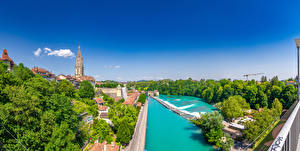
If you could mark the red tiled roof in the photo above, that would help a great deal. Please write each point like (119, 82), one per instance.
(131, 98)
(109, 147)
(139, 104)
(102, 107)
(112, 147)
(99, 100)
(117, 98)
(89, 78)
(97, 147)
(5, 57)
(41, 70)
(250, 116)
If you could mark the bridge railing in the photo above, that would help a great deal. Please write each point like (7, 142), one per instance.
(288, 137)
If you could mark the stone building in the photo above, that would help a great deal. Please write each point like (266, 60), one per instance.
(44, 73)
(79, 69)
(112, 92)
(6, 59)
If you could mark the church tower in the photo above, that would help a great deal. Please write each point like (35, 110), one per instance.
(79, 64)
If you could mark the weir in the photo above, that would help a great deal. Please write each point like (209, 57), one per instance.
(184, 114)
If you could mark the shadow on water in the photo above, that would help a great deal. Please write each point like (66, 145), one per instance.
(196, 133)
(193, 128)
(198, 136)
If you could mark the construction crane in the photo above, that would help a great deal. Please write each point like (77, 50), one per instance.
(253, 74)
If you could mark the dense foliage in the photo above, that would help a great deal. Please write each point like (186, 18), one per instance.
(257, 94)
(234, 107)
(123, 117)
(109, 84)
(35, 114)
(100, 130)
(142, 98)
(262, 120)
(85, 105)
(86, 90)
(211, 125)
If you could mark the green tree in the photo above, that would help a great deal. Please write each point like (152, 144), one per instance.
(275, 93)
(211, 125)
(86, 90)
(277, 107)
(34, 112)
(274, 80)
(263, 79)
(100, 130)
(124, 132)
(62, 139)
(22, 73)
(218, 95)
(262, 99)
(234, 107)
(226, 146)
(227, 91)
(288, 96)
(250, 95)
(93, 110)
(65, 87)
(261, 121)
(208, 95)
(142, 98)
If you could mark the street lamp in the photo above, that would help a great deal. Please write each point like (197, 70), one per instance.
(297, 41)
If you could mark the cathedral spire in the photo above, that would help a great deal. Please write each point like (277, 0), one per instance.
(79, 69)
(79, 52)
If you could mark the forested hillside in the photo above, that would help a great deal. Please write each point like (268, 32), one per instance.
(36, 114)
(257, 94)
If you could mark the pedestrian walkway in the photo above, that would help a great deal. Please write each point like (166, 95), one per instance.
(138, 140)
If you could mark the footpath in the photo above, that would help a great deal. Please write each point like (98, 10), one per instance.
(138, 140)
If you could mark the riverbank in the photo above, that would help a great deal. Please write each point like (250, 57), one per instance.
(184, 114)
(138, 140)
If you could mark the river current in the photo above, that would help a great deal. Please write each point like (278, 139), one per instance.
(167, 131)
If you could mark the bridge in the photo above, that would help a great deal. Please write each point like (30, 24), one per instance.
(288, 137)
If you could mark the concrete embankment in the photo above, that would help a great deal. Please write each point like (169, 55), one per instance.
(138, 140)
(184, 114)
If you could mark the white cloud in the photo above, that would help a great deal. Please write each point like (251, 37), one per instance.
(37, 52)
(47, 50)
(112, 66)
(59, 52)
(62, 53)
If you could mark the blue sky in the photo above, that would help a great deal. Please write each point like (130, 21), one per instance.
(155, 39)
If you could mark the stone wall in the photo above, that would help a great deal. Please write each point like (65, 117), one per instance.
(112, 92)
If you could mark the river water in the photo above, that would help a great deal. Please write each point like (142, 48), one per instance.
(167, 131)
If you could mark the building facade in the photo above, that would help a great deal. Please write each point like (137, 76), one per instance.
(79, 69)
(6, 59)
(44, 73)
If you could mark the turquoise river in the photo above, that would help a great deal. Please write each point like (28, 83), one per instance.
(167, 131)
